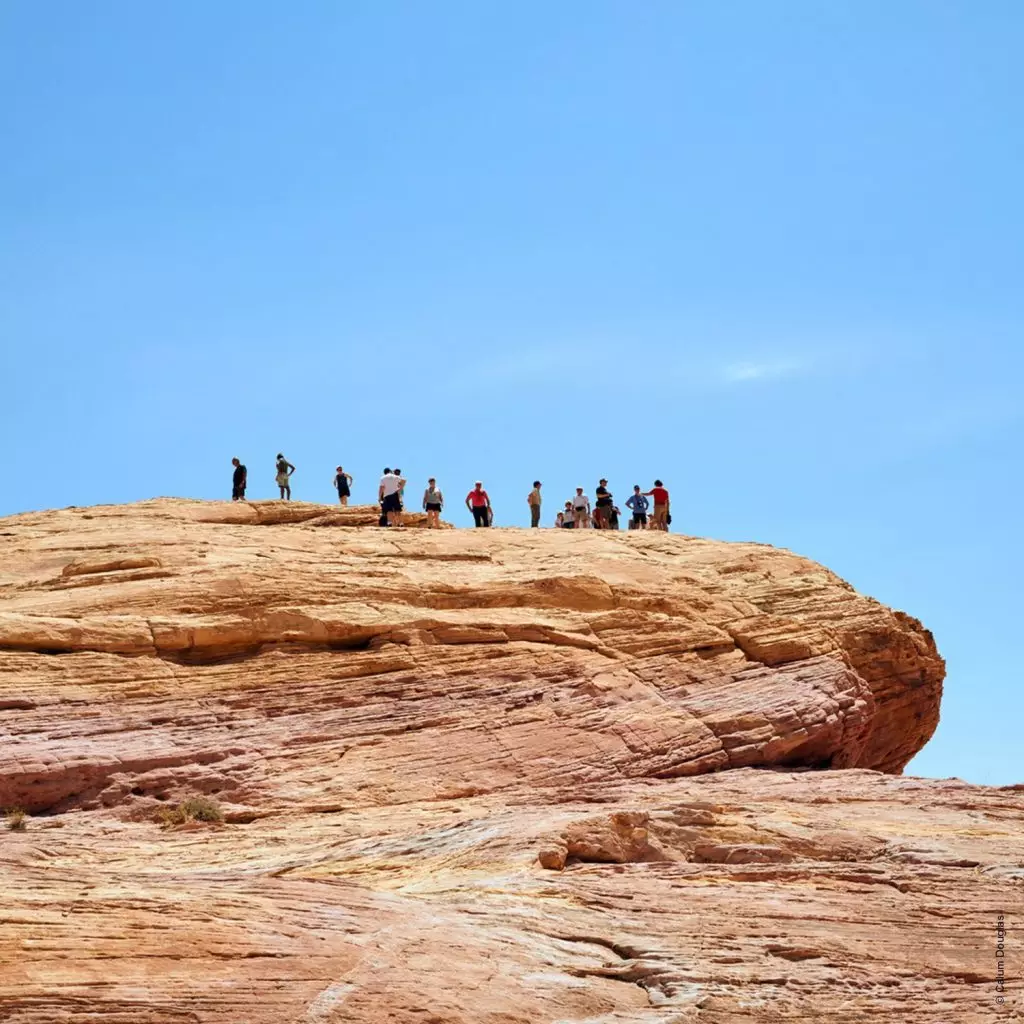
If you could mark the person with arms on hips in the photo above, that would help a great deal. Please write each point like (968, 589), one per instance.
(387, 493)
(433, 502)
(533, 500)
(284, 476)
(659, 520)
(580, 509)
(603, 506)
(238, 480)
(479, 504)
(343, 483)
(638, 505)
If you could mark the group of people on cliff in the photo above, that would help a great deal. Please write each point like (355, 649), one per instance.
(604, 514)
(578, 512)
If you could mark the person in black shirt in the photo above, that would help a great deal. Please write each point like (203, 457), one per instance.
(343, 482)
(603, 506)
(238, 481)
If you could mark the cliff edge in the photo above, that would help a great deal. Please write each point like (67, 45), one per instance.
(468, 776)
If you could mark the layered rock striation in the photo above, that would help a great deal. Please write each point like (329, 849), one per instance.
(471, 776)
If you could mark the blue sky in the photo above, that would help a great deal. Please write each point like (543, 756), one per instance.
(770, 252)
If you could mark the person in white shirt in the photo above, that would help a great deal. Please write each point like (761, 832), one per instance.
(580, 509)
(388, 491)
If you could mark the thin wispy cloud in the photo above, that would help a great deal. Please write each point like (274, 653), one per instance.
(771, 369)
(633, 364)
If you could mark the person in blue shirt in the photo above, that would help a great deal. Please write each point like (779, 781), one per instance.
(639, 504)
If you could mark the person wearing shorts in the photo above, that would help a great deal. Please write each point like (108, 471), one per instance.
(638, 505)
(659, 520)
(567, 520)
(284, 477)
(603, 506)
(387, 493)
(238, 480)
(343, 482)
(479, 504)
(580, 509)
(433, 502)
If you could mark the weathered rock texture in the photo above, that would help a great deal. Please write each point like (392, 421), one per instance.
(465, 775)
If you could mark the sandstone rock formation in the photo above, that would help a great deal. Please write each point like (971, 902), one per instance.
(465, 776)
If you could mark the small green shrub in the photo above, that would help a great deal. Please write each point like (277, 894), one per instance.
(195, 808)
(202, 808)
(16, 818)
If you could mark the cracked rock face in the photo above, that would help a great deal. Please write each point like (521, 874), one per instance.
(465, 776)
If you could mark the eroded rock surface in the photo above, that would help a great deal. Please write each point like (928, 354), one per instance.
(465, 775)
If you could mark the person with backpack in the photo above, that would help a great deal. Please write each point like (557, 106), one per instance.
(284, 476)
(660, 518)
(343, 483)
(479, 504)
(433, 503)
(638, 505)
(238, 480)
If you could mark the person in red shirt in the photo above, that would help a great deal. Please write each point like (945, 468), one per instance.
(659, 520)
(479, 504)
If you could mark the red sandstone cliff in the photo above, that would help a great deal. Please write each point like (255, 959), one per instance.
(466, 779)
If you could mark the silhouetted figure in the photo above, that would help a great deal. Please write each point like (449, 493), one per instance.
(238, 481)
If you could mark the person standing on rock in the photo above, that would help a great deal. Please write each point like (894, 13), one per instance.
(580, 509)
(433, 502)
(479, 504)
(659, 520)
(343, 482)
(400, 521)
(533, 500)
(603, 506)
(284, 476)
(567, 516)
(638, 505)
(387, 493)
(238, 481)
